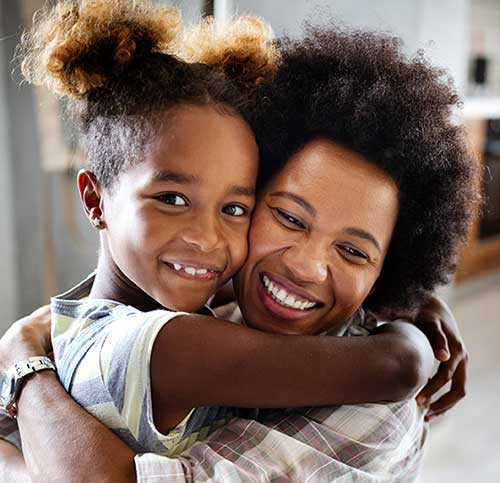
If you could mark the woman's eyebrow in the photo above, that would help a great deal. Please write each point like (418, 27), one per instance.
(363, 234)
(298, 199)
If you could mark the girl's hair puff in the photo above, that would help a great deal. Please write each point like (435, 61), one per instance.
(120, 66)
(77, 46)
(243, 47)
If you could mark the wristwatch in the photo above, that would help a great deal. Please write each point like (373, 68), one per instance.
(11, 382)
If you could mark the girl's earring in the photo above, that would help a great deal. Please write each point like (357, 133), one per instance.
(97, 222)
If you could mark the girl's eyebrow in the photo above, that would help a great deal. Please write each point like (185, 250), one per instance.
(242, 190)
(172, 176)
(181, 178)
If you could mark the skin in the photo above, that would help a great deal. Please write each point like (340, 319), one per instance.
(283, 360)
(173, 209)
(309, 237)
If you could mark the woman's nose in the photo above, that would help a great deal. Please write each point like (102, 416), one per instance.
(306, 263)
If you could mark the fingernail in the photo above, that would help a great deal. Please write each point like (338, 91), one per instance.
(443, 355)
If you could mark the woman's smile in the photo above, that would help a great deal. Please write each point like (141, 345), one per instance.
(285, 300)
(314, 254)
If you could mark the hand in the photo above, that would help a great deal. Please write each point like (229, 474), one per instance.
(437, 322)
(28, 337)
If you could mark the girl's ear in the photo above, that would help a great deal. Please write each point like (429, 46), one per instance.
(91, 196)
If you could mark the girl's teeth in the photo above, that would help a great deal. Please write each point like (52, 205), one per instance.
(190, 270)
(285, 299)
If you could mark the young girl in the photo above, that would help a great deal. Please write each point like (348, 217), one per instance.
(171, 188)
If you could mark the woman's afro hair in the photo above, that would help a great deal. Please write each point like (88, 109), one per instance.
(358, 89)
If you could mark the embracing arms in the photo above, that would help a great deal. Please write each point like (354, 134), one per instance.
(218, 363)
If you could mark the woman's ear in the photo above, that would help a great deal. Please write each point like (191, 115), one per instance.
(91, 196)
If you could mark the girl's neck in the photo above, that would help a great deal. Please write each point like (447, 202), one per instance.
(112, 284)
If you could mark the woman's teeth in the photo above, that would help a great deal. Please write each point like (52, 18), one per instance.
(190, 270)
(280, 295)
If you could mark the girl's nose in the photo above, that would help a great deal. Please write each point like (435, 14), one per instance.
(204, 234)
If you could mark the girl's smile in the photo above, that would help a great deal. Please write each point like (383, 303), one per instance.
(176, 224)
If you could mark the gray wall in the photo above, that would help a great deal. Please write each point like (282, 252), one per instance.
(46, 244)
(8, 272)
(24, 217)
(438, 26)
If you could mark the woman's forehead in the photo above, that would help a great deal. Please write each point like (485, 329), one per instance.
(338, 186)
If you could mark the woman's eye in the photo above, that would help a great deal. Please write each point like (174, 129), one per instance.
(173, 199)
(353, 252)
(234, 210)
(289, 220)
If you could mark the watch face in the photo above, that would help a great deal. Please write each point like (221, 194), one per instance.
(7, 387)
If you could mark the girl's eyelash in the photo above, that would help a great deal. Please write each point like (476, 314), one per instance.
(244, 211)
(172, 198)
(289, 218)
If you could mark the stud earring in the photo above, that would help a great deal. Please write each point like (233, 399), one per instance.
(97, 222)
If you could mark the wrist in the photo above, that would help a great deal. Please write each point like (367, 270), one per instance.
(37, 384)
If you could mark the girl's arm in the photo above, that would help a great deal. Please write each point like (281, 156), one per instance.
(218, 363)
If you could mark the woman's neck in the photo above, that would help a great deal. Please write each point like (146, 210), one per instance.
(112, 284)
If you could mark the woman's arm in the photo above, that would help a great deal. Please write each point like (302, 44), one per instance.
(61, 441)
(12, 466)
(218, 363)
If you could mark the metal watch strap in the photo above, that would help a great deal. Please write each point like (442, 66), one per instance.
(23, 369)
(33, 364)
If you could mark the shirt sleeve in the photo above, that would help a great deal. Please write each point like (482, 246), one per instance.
(367, 442)
(9, 431)
(125, 355)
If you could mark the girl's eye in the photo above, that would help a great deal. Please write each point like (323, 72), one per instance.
(234, 210)
(173, 199)
(288, 220)
(353, 254)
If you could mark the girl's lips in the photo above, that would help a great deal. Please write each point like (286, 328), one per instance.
(201, 277)
(278, 310)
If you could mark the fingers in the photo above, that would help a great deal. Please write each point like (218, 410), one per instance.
(444, 374)
(431, 326)
(455, 394)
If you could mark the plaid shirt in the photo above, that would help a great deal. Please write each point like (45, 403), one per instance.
(359, 443)
(350, 443)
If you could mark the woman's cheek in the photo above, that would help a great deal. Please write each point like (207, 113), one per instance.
(352, 290)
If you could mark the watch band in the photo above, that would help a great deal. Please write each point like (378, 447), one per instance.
(33, 364)
(22, 370)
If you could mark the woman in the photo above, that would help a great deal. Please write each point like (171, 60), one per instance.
(348, 111)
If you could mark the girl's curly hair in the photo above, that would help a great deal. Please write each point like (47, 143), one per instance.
(358, 89)
(122, 64)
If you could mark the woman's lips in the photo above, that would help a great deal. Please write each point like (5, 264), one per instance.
(277, 309)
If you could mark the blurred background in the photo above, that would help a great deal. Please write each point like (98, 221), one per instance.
(46, 245)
